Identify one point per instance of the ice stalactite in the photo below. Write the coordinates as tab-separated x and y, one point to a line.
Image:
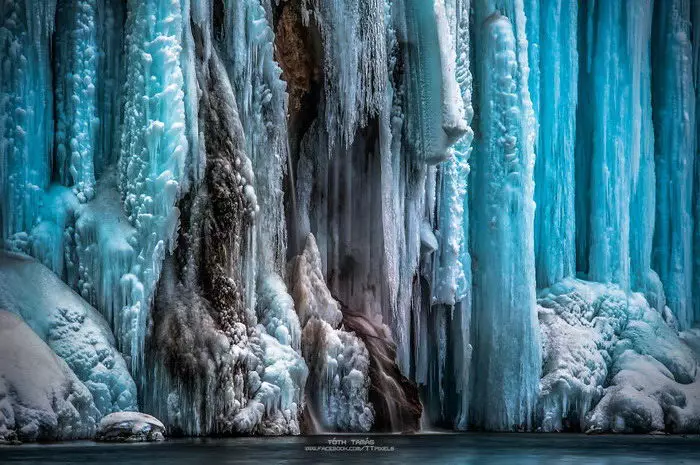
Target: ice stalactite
506	362
554	166
77	60
26	97
674	112
354	62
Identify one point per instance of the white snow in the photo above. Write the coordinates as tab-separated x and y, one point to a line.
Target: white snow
612	364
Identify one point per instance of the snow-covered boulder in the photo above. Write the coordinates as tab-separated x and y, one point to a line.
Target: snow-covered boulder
130	427
40	397
612	363
72	328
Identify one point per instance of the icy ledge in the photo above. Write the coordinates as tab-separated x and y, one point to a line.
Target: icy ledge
611	363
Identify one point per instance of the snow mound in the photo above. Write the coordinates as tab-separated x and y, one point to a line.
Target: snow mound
40	397
74	330
130	427
612	363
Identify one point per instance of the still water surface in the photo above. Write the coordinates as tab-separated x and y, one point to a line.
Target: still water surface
426	449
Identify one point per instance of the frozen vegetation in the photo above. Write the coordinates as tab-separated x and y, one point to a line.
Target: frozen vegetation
297	216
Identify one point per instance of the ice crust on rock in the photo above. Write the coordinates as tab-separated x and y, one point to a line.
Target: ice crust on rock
130	427
40	397
74	330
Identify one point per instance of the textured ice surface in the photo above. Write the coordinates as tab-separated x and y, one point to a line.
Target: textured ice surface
613	364
130	427
40	398
74	330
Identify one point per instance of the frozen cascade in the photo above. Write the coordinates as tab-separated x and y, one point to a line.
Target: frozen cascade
504	312
674	113
153	150
442	174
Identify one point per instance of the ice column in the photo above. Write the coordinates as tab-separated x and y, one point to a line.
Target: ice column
506	363
641	145
674	124
26	110
554	167
452	262
76	80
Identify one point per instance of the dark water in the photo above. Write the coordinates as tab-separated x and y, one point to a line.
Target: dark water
420	449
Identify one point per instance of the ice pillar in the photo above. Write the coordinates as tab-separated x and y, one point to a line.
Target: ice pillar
674	124
555	227
26	110
506	361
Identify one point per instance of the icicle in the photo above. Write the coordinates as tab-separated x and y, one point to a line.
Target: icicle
352	34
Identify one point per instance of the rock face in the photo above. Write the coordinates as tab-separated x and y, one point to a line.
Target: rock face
130	427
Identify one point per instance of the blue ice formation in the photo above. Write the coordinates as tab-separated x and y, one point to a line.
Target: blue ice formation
502	233
343	215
